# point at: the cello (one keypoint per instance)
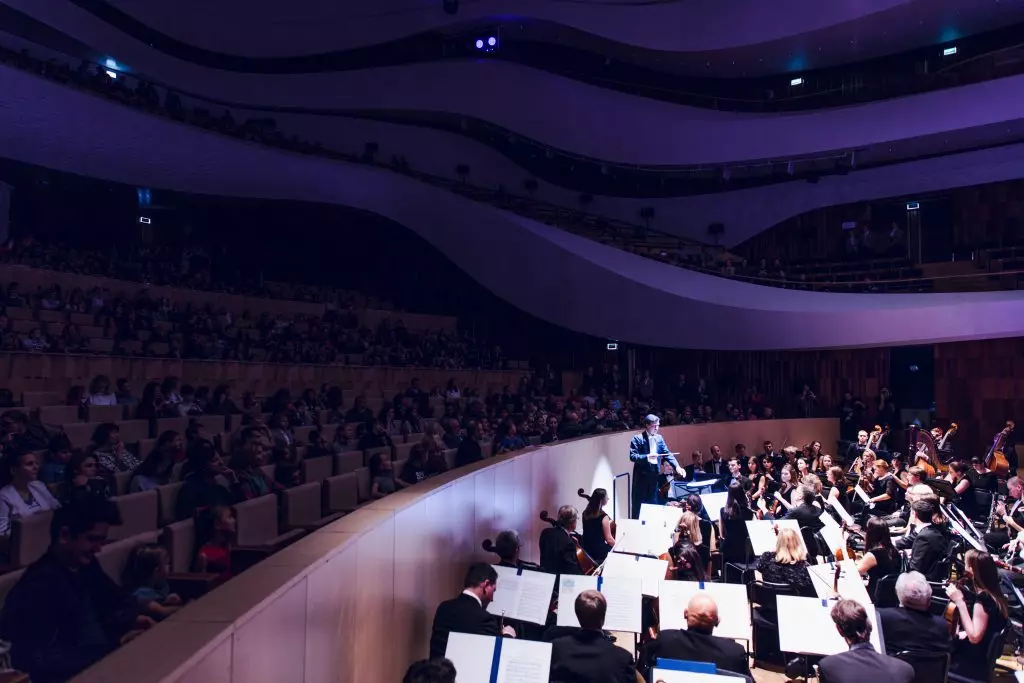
(996, 458)
(587, 564)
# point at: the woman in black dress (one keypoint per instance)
(980, 623)
(732, 524)
(597, 527)
(880, 557)
(788, 564)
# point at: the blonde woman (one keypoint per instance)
(689, 529)
(788, 564)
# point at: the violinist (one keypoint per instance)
(961, 483)
(837, 487)
(684, 562)
(802, 468)
(813, 454)
(647, 451)
(598, 539)
(732, 523)
(689, 529)
(803, 511)
(883, 489)
(557, 549)
(979, 623)
(736, 476)
(880, 557)
(769, 483)
(821, 464)
(788, 564)
(786, 486)
(901, 517)
(982, 478)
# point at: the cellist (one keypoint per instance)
(557, 549)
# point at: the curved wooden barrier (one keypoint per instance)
(354, 601)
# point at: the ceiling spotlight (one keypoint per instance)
(112, 75)
(492, 41)
(479, 44)
(796, 81)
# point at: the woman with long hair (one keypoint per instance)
(880, 557)
(156, 469)
(689, 529)
(788, 564)
(732, 524)
(978, 624)
(597, 527)
(685, 562)
(82, 477)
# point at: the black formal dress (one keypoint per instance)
(887, 561)
(795, 575)
(593, 538)
(693, 646)
(861, 663)
(928, 552)
(908, 629)
(735, 535)
(588, 657)
(969, 660)
(558, 552)
(463, 614)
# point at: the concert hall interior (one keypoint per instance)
(568, 341)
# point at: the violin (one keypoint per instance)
(952, 614)
(586, 562)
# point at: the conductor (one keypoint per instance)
(647, 449)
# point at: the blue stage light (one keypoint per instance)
(479, 44)
(492, 41)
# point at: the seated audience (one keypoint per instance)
(982, 622)
(696, 643)
(20, 435)
(510, 441)
(860, 663)
(382, 476)
(215, 534)
(21, 493)
(587, 655)
(65, 613)
(82, 476)
(145, 576)
(110, 451)
(430, 671)
(469, 450)
(158, 467)
(468, 612)
(100, 393)
(374, 436)
(247, 463)
(200, 488)
(415, 469)
(788, 564)
(53, 470)
(912, 626)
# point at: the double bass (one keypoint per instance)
(922, 448)
(996, 458)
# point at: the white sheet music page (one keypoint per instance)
(624, 604)
(523, 661)
(861, 494)
(525, 596)
(666, 516)
(762, 533)
(806, 626)
(649, 572)
(569, 586)
(843, 514)
(713, 503)
(733, 607)
(671, 676)
(633, 536)
(472, 656)
(832, 532)
(851, 586)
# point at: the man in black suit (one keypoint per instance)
(715, 465)
(696, 644)
(778, 459)
(930, 543)
(469, 450)
(647, 451)
(861, 662)
(557, 550)
(587, 656)
(805, 514)
(911, 626)
(468, 612)
(695, 470)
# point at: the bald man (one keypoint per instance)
(696, 643)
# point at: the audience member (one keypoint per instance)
(21, 493)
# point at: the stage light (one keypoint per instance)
(949, 51)
(145, 220)
(479, 44)
(913, 206)
(612, 346)
(112, 75)
(796, 81)
(492, 41)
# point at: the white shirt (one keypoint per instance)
(13, 505)
(474, 596)
(102, 400)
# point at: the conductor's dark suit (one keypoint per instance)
(907, 629)
(645, 474)
(861, 663)
(558, 552)
(461, 615)
(693, 646)
(588, 657)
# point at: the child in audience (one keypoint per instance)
(145, 575)
(382, 476)
(52, 471)
(215, 533)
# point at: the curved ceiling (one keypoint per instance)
(549, 273)
(789, 34)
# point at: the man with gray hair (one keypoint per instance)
(647, 451)
(805, 514)
(911, 626)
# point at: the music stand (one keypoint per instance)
(681, 489)
(943, 489)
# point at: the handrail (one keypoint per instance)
(776, 282)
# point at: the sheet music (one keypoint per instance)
(623, 596)
(838, 507)
(665, 516)
(863, 496)
(521, 661)
(762, 534)
(649, 571)
(670, 676)
(851, 586)
(713, 503)
(832, 532)
(806, 627)
(733, 606)
(633, 536)
(525, 596)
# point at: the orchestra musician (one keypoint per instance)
(900, 518)
(736, 475)
(646, 451)
(788, 564)
(803, 511)
(980, 622)
(715, 465)
(931, 544)
(914, 493)
(598, 539)
(912, 626)
(468, 613)
(786, 488)
(880, 557)
(836, 479)
(855, 449)
(507, 547)
(557, 549)
(769, 452)
(982, 478)
(689, 529)
(586, 654)
(883, 489)
(697, 643)
(861, 662)
(696, 467)
(1011, 513)
(732, 527)
(945, 453)
(961, 483)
